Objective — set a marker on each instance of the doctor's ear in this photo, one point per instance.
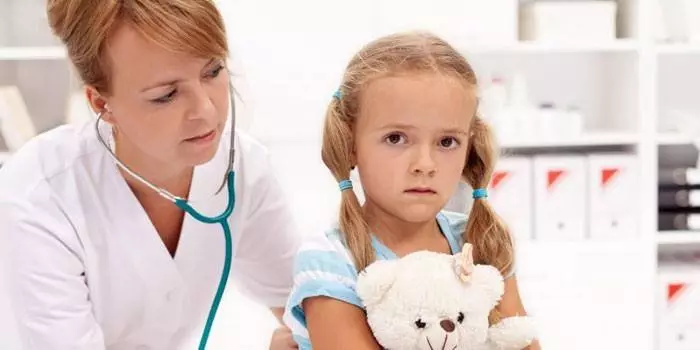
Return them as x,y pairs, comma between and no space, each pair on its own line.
98,104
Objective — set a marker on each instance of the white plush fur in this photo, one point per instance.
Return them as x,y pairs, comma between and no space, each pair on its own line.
425,286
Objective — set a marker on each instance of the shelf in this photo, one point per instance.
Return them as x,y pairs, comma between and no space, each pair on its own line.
620,45
678,237
31,53
583,141
677,49
676,139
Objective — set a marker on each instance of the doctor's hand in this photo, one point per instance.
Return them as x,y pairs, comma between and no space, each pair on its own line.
282,339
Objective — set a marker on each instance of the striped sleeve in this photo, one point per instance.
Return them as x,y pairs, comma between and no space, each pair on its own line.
322,268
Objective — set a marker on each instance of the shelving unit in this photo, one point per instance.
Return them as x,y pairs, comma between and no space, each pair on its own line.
677,124
677,49
676,139
32,59
678,238
533,47
588,140
31,53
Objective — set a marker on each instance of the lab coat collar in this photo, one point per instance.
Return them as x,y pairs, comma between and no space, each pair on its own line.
140,240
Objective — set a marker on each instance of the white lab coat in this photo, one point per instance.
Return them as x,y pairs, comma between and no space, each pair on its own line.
87,269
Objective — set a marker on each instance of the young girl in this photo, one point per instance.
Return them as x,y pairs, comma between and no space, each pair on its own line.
406,117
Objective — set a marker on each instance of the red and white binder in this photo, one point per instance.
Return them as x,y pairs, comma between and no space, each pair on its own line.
560,197
614,188
678,306
510,194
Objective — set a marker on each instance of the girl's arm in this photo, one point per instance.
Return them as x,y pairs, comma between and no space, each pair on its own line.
337,325
512,305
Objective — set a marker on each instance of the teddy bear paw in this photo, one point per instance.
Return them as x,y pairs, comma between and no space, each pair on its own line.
512,333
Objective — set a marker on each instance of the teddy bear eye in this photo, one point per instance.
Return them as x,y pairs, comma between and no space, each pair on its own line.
420,323
460,318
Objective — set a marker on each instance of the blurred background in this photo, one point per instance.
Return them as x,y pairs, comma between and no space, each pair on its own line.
596,110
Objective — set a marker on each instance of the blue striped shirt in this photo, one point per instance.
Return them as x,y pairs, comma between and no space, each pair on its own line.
324,267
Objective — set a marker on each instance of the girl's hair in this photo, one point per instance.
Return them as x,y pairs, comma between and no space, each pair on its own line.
193,27
402,53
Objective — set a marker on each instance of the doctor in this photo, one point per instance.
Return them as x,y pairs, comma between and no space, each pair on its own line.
98,254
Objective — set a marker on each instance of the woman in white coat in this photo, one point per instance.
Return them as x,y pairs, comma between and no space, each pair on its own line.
98,255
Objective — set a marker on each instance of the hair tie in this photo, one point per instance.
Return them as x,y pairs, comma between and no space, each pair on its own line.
345,185
480,193
338,95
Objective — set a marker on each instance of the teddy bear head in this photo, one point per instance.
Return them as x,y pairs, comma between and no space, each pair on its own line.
430,301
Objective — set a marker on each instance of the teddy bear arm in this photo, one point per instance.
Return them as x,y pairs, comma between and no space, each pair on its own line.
512,333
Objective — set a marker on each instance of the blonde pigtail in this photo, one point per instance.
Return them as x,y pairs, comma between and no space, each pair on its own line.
337,155
485,230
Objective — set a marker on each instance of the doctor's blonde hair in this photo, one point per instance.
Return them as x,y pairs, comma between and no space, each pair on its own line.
193,27
402,53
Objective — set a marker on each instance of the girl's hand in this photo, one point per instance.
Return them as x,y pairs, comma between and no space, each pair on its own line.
282,339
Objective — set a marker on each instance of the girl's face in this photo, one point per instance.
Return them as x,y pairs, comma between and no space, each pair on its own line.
411,143
168,110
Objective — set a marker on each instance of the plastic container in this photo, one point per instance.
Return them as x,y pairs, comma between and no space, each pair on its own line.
571,123
569,21
548,121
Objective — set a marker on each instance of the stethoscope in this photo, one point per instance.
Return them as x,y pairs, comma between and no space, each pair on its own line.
182,203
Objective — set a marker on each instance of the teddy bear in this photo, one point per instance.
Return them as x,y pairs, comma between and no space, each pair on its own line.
434,301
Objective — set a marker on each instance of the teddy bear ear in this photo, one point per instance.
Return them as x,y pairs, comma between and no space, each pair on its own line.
375,280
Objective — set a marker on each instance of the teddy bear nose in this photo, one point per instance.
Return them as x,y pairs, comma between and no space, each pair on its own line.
447,325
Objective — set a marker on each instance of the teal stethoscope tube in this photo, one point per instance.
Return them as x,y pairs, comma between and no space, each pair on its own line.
223,220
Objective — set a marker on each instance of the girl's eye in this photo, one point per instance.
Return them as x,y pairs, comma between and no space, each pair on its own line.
166,98
395,139
449,142
460,317
420,324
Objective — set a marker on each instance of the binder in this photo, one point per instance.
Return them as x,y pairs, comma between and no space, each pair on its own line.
560,198
679,221
675,177
678,300
613,188
678,156
670,198
511,195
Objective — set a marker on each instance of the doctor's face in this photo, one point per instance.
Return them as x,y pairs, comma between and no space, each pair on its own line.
168,110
